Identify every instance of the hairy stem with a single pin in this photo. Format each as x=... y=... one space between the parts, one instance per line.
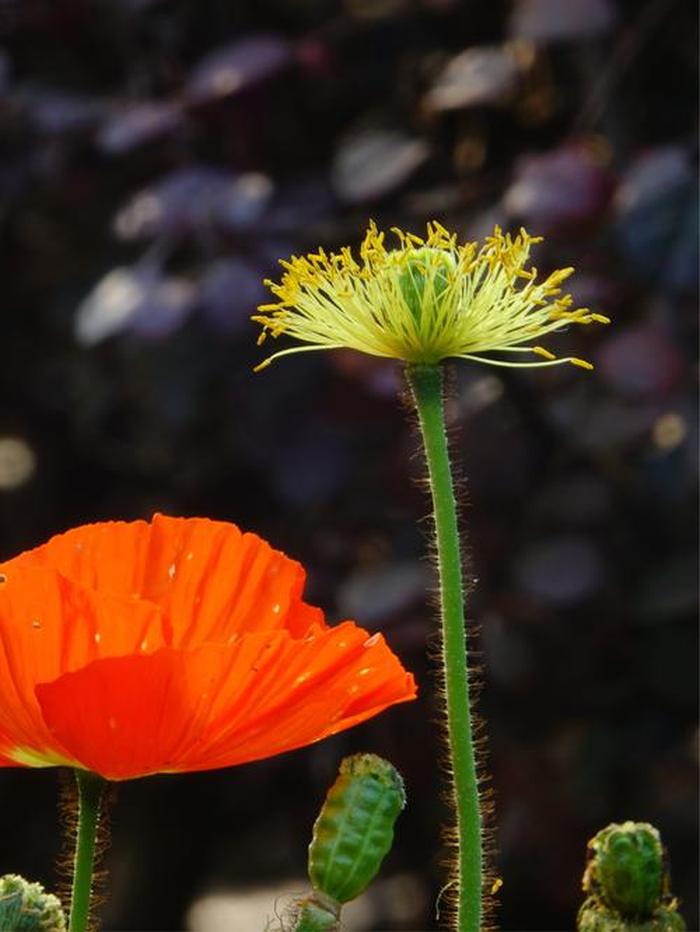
x=90 y=791
x=426 y=383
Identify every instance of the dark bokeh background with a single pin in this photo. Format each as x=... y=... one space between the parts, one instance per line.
x=156 y=159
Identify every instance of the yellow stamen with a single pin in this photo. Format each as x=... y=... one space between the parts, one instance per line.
x=429 y=299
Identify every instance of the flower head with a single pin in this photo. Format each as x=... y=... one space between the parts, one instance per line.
x=424 y=301
x=180 y=644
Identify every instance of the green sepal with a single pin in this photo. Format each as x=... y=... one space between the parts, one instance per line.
x=25 y=907
x=355 y=828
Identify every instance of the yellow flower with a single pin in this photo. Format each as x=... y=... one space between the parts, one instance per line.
x=424 y=301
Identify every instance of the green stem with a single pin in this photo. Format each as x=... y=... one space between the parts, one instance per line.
x=426 y=383
x=90 y=789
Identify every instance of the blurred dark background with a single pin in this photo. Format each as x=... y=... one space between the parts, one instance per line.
x=156 y=158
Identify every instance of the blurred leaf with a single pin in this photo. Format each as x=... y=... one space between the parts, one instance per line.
x=551 y=20
x=192 y=199
x=560 y=570
x=133 y=124
x=57 y=112
x=373 y=163
x=244 y=201
x=559 y=188
x=477 y=76
x=607 y=426
x=230 y=291
x=134 y=298
x=640 y=361
x=376 y=593
x=657 y=217
x=237 y=66
x=304 y=201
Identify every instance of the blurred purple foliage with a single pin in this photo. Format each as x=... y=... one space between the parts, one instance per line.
x=157 y=158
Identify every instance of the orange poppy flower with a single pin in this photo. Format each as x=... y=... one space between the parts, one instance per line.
x=181 y=644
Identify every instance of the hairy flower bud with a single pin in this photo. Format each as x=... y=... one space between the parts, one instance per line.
x=627 y=882
x=355 y=828
x=25 y=907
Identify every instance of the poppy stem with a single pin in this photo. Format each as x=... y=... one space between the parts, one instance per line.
x=90 y=790
x=426 y=383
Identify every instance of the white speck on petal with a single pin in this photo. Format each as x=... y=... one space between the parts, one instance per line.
x=365 y=670
x=190 y=556
x=97 y=637
x=302 y=679
x=144 y=644
x=276 y=608
x=36 y=623
x=171 y=571
x=342 y=644
x=370 y=642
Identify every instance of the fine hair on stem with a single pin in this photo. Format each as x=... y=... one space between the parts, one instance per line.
x=448 y=905
x=68 y=814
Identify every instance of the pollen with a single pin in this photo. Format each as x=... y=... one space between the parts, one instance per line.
x=424 y=300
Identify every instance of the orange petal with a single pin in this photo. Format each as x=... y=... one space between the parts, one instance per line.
x=211 y=581
x=49 y=626
x=219 y=705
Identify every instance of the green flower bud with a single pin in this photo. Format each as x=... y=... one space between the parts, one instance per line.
x=355 y=828
x=626 y=868
x=595 y=917
x=627 y=883
x=25 y=907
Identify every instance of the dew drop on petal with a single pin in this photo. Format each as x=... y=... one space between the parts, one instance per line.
x=97 y=637
x=36 y=623
x=371 y=641
x=276 y=608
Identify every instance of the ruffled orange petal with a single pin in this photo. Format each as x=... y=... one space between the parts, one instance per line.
x=220 y=705
x=49 y=626
x=211 y=581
